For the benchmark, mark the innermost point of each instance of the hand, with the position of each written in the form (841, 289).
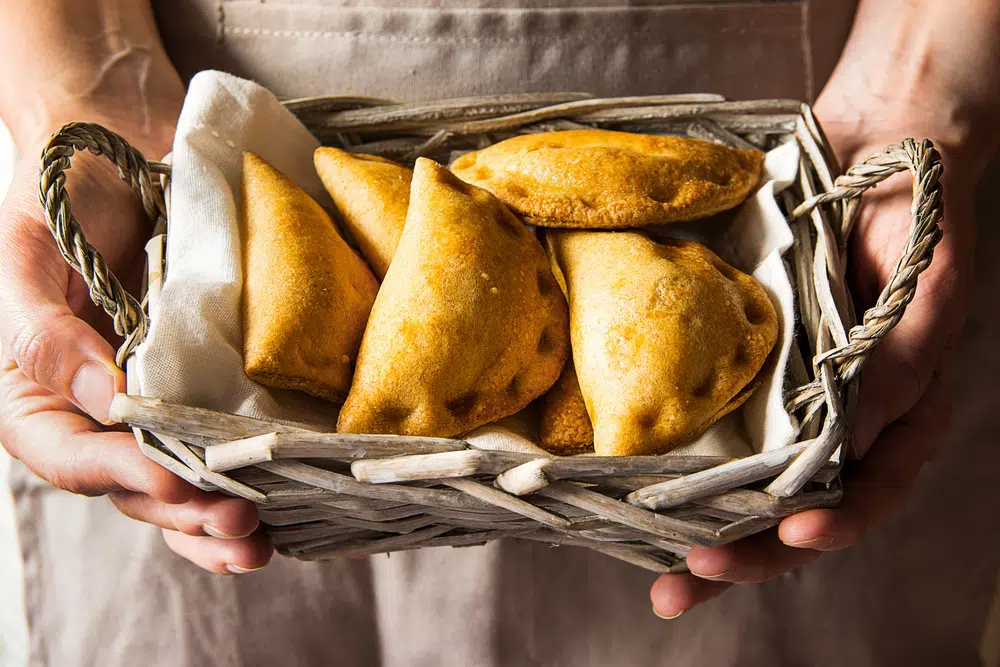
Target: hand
(58, 375)
(905, 392)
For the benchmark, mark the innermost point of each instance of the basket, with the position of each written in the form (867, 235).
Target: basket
(323, 495)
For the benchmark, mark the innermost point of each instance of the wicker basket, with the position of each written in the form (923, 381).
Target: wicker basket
(323, 495)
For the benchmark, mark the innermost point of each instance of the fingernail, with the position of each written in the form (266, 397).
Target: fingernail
(668, 618)
(93, 388)
(818, 543)
(711, 577)
(211, 531)
(236, 569)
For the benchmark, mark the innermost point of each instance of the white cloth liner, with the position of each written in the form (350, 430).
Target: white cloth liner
(193, 353)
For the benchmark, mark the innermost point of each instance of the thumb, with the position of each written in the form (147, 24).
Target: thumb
(62, 353)
(50, 344)
(903, 364)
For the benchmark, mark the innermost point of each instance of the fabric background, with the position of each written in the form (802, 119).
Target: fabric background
(13, 630)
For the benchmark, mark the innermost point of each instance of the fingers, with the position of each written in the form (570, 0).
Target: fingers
(39, 330)
(715, 569)
(903, 362)
(94, 464)
(205, 514)
(748, 561)
(880, 484)
(222, 556)
(876, 488)
(867, 502)
(674, 594)
(63, 354)
(53, 363)
(900, 371)
(66, 448)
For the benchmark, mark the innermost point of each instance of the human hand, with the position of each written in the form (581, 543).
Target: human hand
(58, 375)
(905, 391)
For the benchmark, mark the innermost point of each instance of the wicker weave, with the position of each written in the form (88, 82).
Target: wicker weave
(324, 494)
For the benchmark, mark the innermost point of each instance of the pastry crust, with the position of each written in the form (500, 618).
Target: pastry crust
(306, 293)
(667, 338)
(565, 426)
(469, 325)
(600, 179)
(372, 195)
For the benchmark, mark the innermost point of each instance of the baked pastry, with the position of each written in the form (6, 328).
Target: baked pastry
(599, 179)
(306, 293)
(469, 325)
(667, 338)
(372, 194)
(564, 427)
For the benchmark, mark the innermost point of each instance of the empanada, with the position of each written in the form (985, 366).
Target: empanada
(306, 293)
(667, 338)
(372, 194)
(564, 427)
(469, 325)
(600, 179)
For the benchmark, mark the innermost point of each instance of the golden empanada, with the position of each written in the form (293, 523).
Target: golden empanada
(469, 325)
(372, 194)
(306, 293)
(564, 427)
(599, 179)
(667, 338)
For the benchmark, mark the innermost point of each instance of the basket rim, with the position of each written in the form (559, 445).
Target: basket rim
(344, 111)
(356, 112)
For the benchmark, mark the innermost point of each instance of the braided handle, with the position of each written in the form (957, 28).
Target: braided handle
(926, 213)
(105, 289)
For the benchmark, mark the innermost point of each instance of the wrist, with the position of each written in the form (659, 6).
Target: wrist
(855, 130)
(146, 114)
(151, 132)
(921, 69)
(99, 60)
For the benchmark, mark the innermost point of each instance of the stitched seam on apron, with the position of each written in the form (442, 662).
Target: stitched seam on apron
(220, 22)
(807, 53)
(264, 32)
(378, 37)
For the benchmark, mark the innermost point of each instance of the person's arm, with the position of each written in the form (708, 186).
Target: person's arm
(911, 68)
(99, 61)
(63, 58)
(919, 65)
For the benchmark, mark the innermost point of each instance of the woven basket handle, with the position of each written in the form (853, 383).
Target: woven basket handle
(926, 213)
(105, 289)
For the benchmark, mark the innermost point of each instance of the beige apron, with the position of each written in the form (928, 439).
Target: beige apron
(102, 590)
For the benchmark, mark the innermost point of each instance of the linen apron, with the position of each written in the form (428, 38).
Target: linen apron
(104, 590)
